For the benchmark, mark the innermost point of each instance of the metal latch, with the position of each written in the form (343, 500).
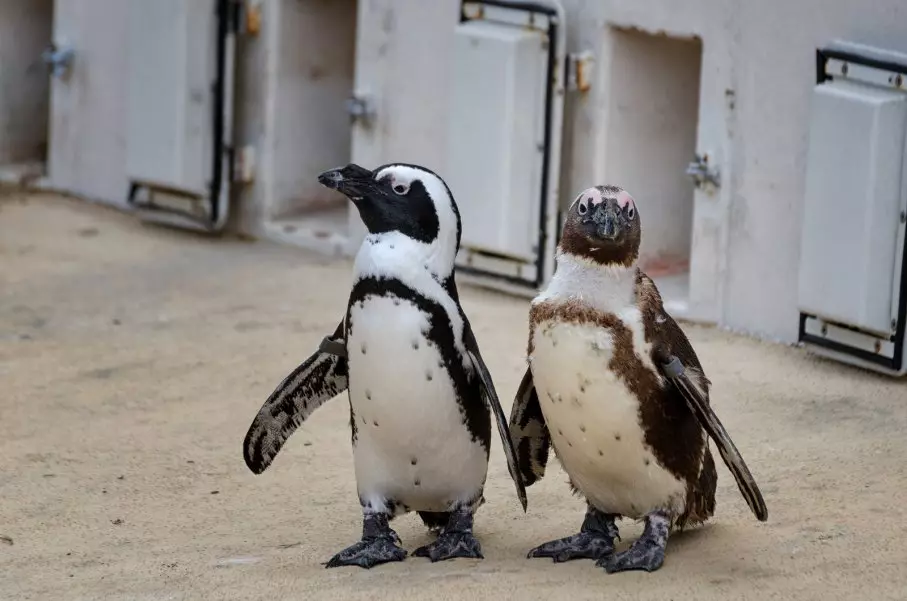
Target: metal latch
(580, 68)
(702, 173)
(58, 59)
(361, 108)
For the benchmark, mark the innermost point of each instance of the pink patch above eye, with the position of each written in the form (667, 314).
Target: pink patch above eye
(624, 199)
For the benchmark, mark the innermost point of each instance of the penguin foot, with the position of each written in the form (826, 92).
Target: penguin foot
(594, 541)
(647, 553)
(455, 540)
(584, 545)
(450, 545)
(379, 544)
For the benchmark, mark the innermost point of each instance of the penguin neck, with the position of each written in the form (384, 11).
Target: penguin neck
(395, 255)
(607, 287)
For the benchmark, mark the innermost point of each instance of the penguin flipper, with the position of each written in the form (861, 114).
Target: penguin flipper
(491, 397)
(529, 432)
(319, 378)
(672, 368)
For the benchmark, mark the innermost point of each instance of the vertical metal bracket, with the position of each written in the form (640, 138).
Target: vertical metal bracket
(580, 66)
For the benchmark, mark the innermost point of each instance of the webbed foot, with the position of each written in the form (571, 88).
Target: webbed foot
(647, 553)
(455, 540)
(594, 541)
(379, 544)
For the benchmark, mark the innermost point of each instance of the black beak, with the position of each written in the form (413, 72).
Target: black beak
(353, 181)
(606, 222)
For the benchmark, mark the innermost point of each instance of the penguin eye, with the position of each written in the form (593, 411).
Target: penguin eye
(583, 208)
(631, 212)
(401, 189)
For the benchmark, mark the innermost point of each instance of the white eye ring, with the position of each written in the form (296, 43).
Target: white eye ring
(583, 207)
(631, 212)
(401, 189)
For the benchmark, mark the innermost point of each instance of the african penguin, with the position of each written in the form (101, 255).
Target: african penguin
(614, 386)
(418, 388)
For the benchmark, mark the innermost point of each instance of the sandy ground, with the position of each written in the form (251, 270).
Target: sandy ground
(132, 359)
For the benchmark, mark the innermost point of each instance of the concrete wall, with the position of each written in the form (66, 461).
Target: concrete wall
(756, 75)
(25, 30)
(87, 154)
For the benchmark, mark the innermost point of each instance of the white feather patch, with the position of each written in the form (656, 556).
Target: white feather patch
(412, 444)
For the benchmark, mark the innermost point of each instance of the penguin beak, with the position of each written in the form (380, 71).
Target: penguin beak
(606, 222)
(353, 181)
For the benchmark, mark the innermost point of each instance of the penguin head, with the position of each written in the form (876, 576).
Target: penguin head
(603, 224)
(403, 200)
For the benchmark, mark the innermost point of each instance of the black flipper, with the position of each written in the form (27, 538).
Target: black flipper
(529, 432)
(673, 369)
(320, 378)
(491, 397)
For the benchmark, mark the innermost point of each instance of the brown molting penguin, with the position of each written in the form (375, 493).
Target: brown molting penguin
(614, 386)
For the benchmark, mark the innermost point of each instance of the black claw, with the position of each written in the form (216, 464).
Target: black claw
(379, 545)
(455, 540)
(647, 553)
(594, 541)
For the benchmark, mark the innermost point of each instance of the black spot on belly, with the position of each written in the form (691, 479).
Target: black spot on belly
(646, 461)
(417, 482)
(600, 453)
(375, 423)
(428, 376)
(368, 395)
(617, 437)
(363, 348)
(413, 461)
(415, 345)
(582, 428)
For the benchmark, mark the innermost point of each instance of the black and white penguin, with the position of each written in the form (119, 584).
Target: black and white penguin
(614, 386)
(419, 391)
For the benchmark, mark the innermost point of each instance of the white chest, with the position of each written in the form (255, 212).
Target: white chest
(412, 444)
(593, 418)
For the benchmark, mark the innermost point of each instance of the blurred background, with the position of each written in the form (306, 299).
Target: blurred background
(763, 141)
(219, 113)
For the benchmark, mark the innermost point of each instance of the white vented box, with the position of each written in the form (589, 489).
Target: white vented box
(496, 136)
(851, 284)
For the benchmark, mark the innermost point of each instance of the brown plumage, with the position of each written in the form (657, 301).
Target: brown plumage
(659, 466)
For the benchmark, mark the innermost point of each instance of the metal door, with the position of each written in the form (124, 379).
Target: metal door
(179, 110)
(86, 153)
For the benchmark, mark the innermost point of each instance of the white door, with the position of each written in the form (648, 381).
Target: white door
(87, 145)
(179, 110)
